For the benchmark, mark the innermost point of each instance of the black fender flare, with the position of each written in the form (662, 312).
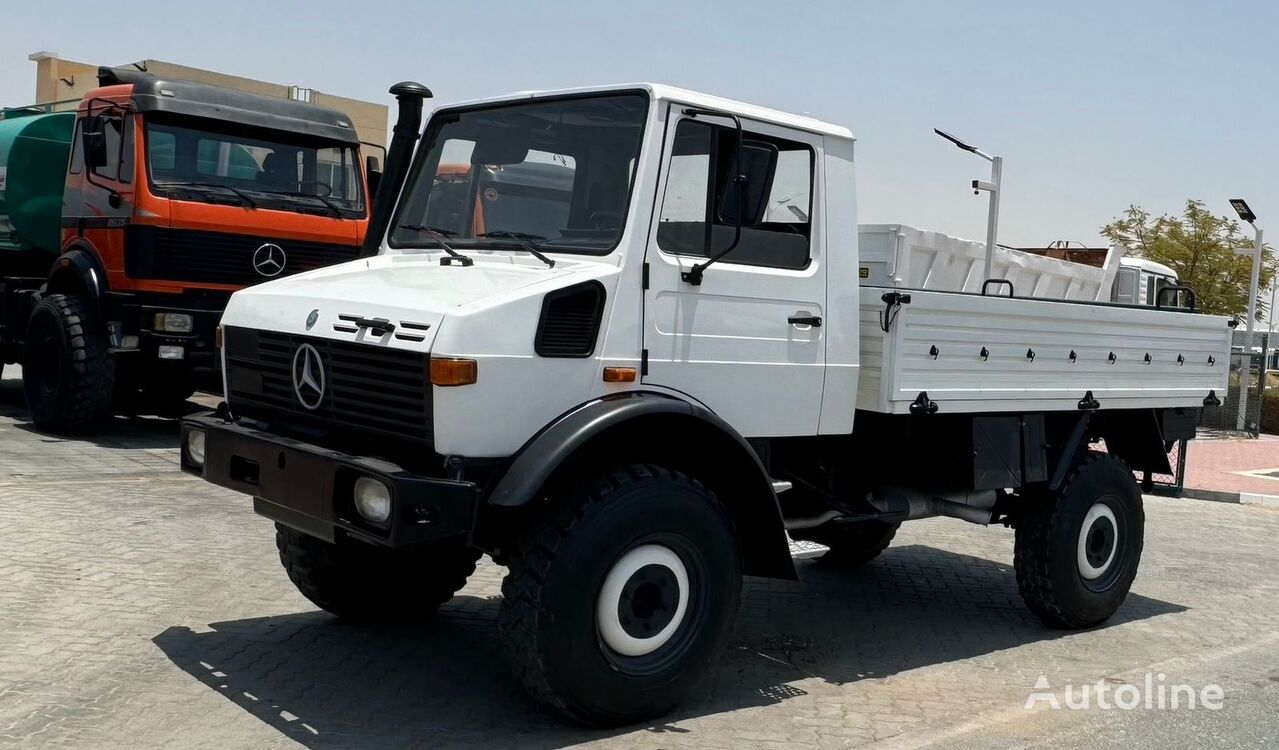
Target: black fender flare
(78, 271)
(752, 501)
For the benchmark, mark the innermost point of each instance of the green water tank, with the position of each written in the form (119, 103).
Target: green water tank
(33, 163)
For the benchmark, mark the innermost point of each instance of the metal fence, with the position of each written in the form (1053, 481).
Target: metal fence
(1247, 372)
(1160, 484)
(1171, 484)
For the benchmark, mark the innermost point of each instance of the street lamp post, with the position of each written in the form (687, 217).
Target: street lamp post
(992, 187)
(1245, 370)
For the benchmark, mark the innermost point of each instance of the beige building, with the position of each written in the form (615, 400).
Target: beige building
(60, 80)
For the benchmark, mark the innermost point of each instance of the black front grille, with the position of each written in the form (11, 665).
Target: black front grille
(368, 389)
(570, 321)
(219, 257)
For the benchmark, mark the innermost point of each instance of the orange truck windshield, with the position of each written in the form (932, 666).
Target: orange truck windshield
(276, 172)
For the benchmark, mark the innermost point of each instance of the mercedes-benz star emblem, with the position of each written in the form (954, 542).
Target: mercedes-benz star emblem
(308, 376)
(269, 260)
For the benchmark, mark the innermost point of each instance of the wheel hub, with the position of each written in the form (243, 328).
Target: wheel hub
(642, 601)
(1098, 541)
(648, 601)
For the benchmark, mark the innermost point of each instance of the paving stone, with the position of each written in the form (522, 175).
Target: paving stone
(142, 608)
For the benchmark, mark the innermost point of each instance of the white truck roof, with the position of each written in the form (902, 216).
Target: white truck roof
(1147, 265)
(663, 92)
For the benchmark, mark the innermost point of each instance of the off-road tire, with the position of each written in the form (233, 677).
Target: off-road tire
(365, 584)
(852, 545)
(67, 373)
(1049, 552)
(555, 594)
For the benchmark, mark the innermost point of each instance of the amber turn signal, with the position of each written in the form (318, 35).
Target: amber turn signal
(619, 374)
(217, 337)
(449, 371)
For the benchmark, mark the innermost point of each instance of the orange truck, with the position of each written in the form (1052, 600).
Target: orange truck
(126, 225)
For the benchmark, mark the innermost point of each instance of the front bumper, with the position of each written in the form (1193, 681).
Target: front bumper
(136, 313)
(310, 488)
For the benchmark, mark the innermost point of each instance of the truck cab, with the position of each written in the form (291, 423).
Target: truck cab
(177, 194)
(632, 395)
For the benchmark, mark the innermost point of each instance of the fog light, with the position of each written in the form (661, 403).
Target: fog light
(195, 448)
(172, 352)
(373, 499)
(170, 322)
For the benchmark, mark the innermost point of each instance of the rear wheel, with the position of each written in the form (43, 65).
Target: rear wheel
(67, 373)
(851, 544)
(620, 598)
(1077, 552)
(363, 583)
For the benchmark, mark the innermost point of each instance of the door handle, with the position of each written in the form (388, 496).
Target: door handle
(805, 320)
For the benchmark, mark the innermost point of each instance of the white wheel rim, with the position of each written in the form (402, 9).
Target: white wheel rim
(607, 617)
(1095, 515)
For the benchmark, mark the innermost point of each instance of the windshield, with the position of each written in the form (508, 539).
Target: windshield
(554, 173)
(268, 165)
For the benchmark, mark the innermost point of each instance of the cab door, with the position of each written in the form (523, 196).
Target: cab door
(106, 190)
(748, 340)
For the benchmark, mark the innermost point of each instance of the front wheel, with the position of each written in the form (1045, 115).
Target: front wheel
(620, 596)
(67, 374)
(1077, 553)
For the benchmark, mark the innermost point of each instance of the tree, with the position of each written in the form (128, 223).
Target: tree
(1200, 247)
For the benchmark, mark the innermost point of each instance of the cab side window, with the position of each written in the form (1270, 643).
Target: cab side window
(113, 130)
(77, 151)
(1125, 289)
(702, 200)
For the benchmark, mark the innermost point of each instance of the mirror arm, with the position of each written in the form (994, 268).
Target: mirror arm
(694, 275)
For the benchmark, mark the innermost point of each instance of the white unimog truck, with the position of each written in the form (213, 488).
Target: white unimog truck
(627, 387)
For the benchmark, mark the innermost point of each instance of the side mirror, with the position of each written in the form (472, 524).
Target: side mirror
(373, 173)
(93, 140)
(744, 200)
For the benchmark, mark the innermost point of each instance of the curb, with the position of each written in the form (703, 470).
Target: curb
(1242, 498)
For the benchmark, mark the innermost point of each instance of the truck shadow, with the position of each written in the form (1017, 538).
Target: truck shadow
(139, 428)
(445, 683)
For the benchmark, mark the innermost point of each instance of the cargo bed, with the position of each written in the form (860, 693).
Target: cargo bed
(974, 353)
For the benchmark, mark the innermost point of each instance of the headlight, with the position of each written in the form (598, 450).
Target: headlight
(195, 448)
(373, 499)
(170, 322)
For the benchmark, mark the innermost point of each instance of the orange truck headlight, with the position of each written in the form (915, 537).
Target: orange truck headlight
(450, 371)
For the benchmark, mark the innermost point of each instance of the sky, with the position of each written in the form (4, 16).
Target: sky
(1093, 105)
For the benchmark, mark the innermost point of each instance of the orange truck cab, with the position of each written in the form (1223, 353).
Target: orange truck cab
(176, 194)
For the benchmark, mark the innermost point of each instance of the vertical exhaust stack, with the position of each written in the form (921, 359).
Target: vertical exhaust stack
(408, 128)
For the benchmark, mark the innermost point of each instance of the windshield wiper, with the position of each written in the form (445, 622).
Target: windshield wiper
(525, 241)
(440, 236)
(335, 208)
(239, 193)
